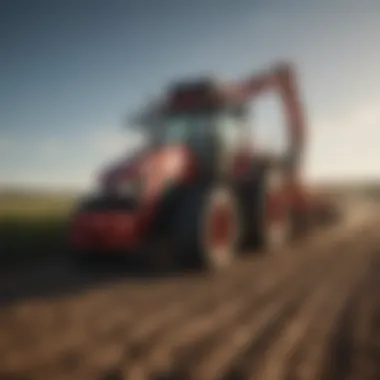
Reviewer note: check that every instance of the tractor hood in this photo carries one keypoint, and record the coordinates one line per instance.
(150, 171)
(126, 168)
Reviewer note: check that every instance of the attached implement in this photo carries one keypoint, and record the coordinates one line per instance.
(202, 191)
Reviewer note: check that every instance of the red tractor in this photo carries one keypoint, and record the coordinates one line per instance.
(201, 191)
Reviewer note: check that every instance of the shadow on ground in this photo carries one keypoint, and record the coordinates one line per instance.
(62, 275)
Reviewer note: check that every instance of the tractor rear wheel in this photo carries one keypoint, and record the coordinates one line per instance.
(207, 230)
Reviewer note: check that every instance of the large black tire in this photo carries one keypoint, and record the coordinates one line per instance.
(196, 225)
(84, 260)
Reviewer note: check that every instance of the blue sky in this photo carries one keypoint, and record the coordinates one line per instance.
(71, 70)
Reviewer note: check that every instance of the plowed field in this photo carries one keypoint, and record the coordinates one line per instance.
(310, 312)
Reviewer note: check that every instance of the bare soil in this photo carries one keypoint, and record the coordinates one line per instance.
(311, 312)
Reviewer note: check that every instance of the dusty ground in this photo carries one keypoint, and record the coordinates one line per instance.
(312, 312)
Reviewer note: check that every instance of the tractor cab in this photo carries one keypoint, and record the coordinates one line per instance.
(197, 116)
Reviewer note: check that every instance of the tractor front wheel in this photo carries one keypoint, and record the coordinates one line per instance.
(206, 230)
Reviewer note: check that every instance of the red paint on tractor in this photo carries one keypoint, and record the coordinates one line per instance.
(171, 164)
(106, 230)
(124, 230)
